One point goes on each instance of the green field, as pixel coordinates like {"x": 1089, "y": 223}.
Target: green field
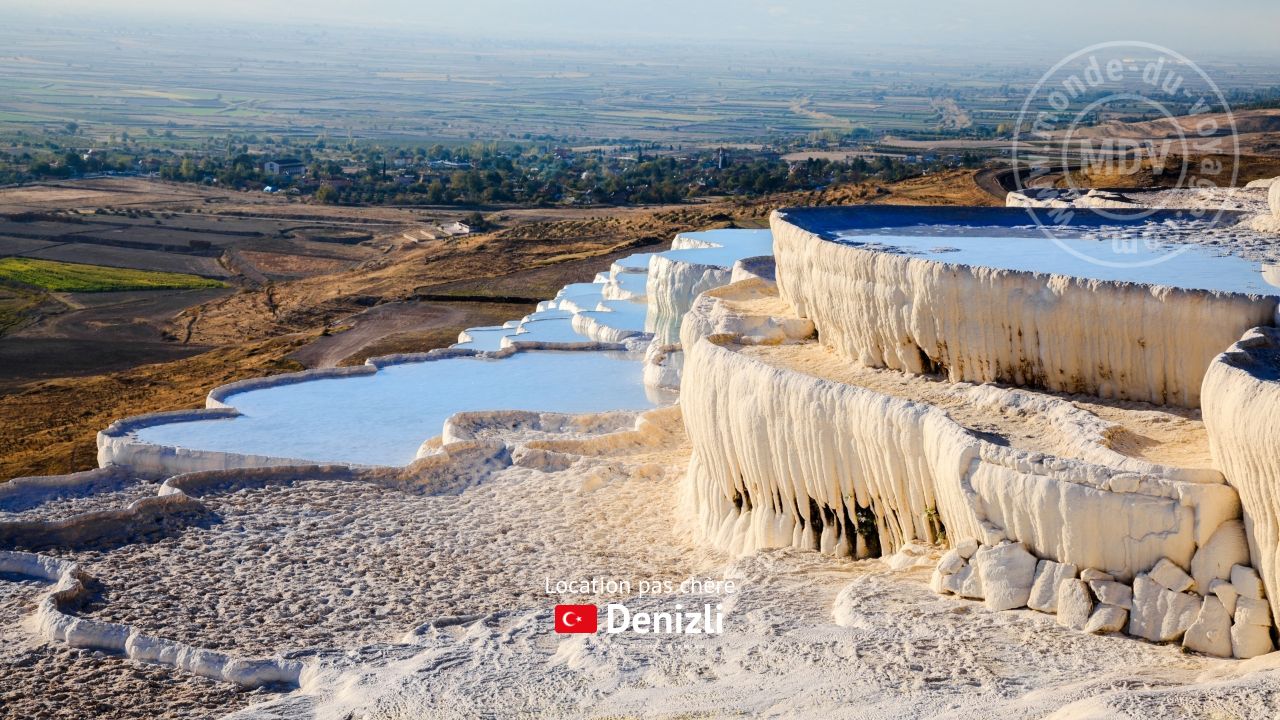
{"x": 72, "y": 277}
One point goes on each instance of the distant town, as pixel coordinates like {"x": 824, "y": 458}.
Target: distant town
{"x": 475, "y": 174}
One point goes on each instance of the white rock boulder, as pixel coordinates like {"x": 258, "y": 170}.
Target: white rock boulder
{"x": 1245, "y": 580}
{"x": 1226, "y": 592}
{"x": 937, "y": 582}
{"x": 1273, "y": 198}
{"x": 967, "y": 548}
{"x": 1093, "y": 574}
{"x": 1248, "y": 641}
{"x": 1044, "y": 589}
{"x": 972, "y": 587}
{"x": 1159, "y": 614}
{"x": 966, "y": 583}
{"x": 1075, "y": 604}
{"x": 1252, "y": 611}
{"x": 1106, "y": 619}
{"x": 952, "y": 561}
{"x": 1211, "y": 632}
{"x": 1110, "y": 592}
{"x": 1007, "y": 572}
{"x": 1170, "y": 576}
{"x": 1226, "y": 547}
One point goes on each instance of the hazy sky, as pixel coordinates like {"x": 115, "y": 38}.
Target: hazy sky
{"x": 1222, "y": 27}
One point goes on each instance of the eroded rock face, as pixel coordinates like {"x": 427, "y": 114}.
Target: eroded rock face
{"x": 784, "y": 458}
{"x": 1241, "y": 397}
{"x": 1273, "y": 197}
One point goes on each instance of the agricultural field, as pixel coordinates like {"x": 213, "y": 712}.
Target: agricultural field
{"x": 76, "y": 277}
{"x": 98, "y": 276}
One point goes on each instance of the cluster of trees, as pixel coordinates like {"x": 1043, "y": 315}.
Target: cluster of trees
{"x": 475, "y": 174}
{"x": 70, "y": 163}
{"x": 536, "y": 177}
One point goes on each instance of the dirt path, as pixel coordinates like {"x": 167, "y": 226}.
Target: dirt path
{"x": 375, "y": 324}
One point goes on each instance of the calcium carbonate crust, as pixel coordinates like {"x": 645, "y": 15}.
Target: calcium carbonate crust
{"x": 1108, "y": 339}
{"x": 1242, "y": 416}
{"x": 465, "y": 459}
{"x": 781, "y": 458}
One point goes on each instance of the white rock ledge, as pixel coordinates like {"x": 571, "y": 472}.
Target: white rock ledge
{"x": 55, "y": 622}
{"x": 1242, "y": 416}
{"x": 1103, "y": 338}
{"x": 781, "y": 458}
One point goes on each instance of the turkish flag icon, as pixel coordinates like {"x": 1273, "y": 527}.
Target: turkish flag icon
{"x": 577, "y": 618}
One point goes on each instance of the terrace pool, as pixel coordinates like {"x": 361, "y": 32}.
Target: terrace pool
{"x": 382, "y": 419}
{"x": 487, "y": 339}
{"x": 1161, "y": 249}
{"x": 720, "y": 248}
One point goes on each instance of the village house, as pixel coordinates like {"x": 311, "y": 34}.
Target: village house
{"x": 291, "y": 167}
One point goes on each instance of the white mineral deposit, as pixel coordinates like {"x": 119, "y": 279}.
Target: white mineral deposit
{"x": 944, "y": 479}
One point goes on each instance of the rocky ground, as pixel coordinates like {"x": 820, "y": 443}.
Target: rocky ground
{"x": 410, "y": 605}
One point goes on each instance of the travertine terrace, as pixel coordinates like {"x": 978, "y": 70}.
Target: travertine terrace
{"x": 857, "y": 424}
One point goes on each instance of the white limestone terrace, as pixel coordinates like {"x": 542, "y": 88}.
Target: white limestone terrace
{"x": 639, "y": 297}
{"x": 1252, "y": 198}
{"x": 378, "y": 416}
{"x": 581, "y": 351}
{"x": 805, "y": 442}
{"x": 697, "y": 262}
{"x": 981, "y": 295}
{"x": 815, "y": 456}
{"x": 796, "y": 446}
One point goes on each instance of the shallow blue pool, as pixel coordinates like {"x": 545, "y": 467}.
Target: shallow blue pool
{"x": 1161, "y": 248}
{"x": 725, "y": 247}
{"x": 382, "y": 419}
